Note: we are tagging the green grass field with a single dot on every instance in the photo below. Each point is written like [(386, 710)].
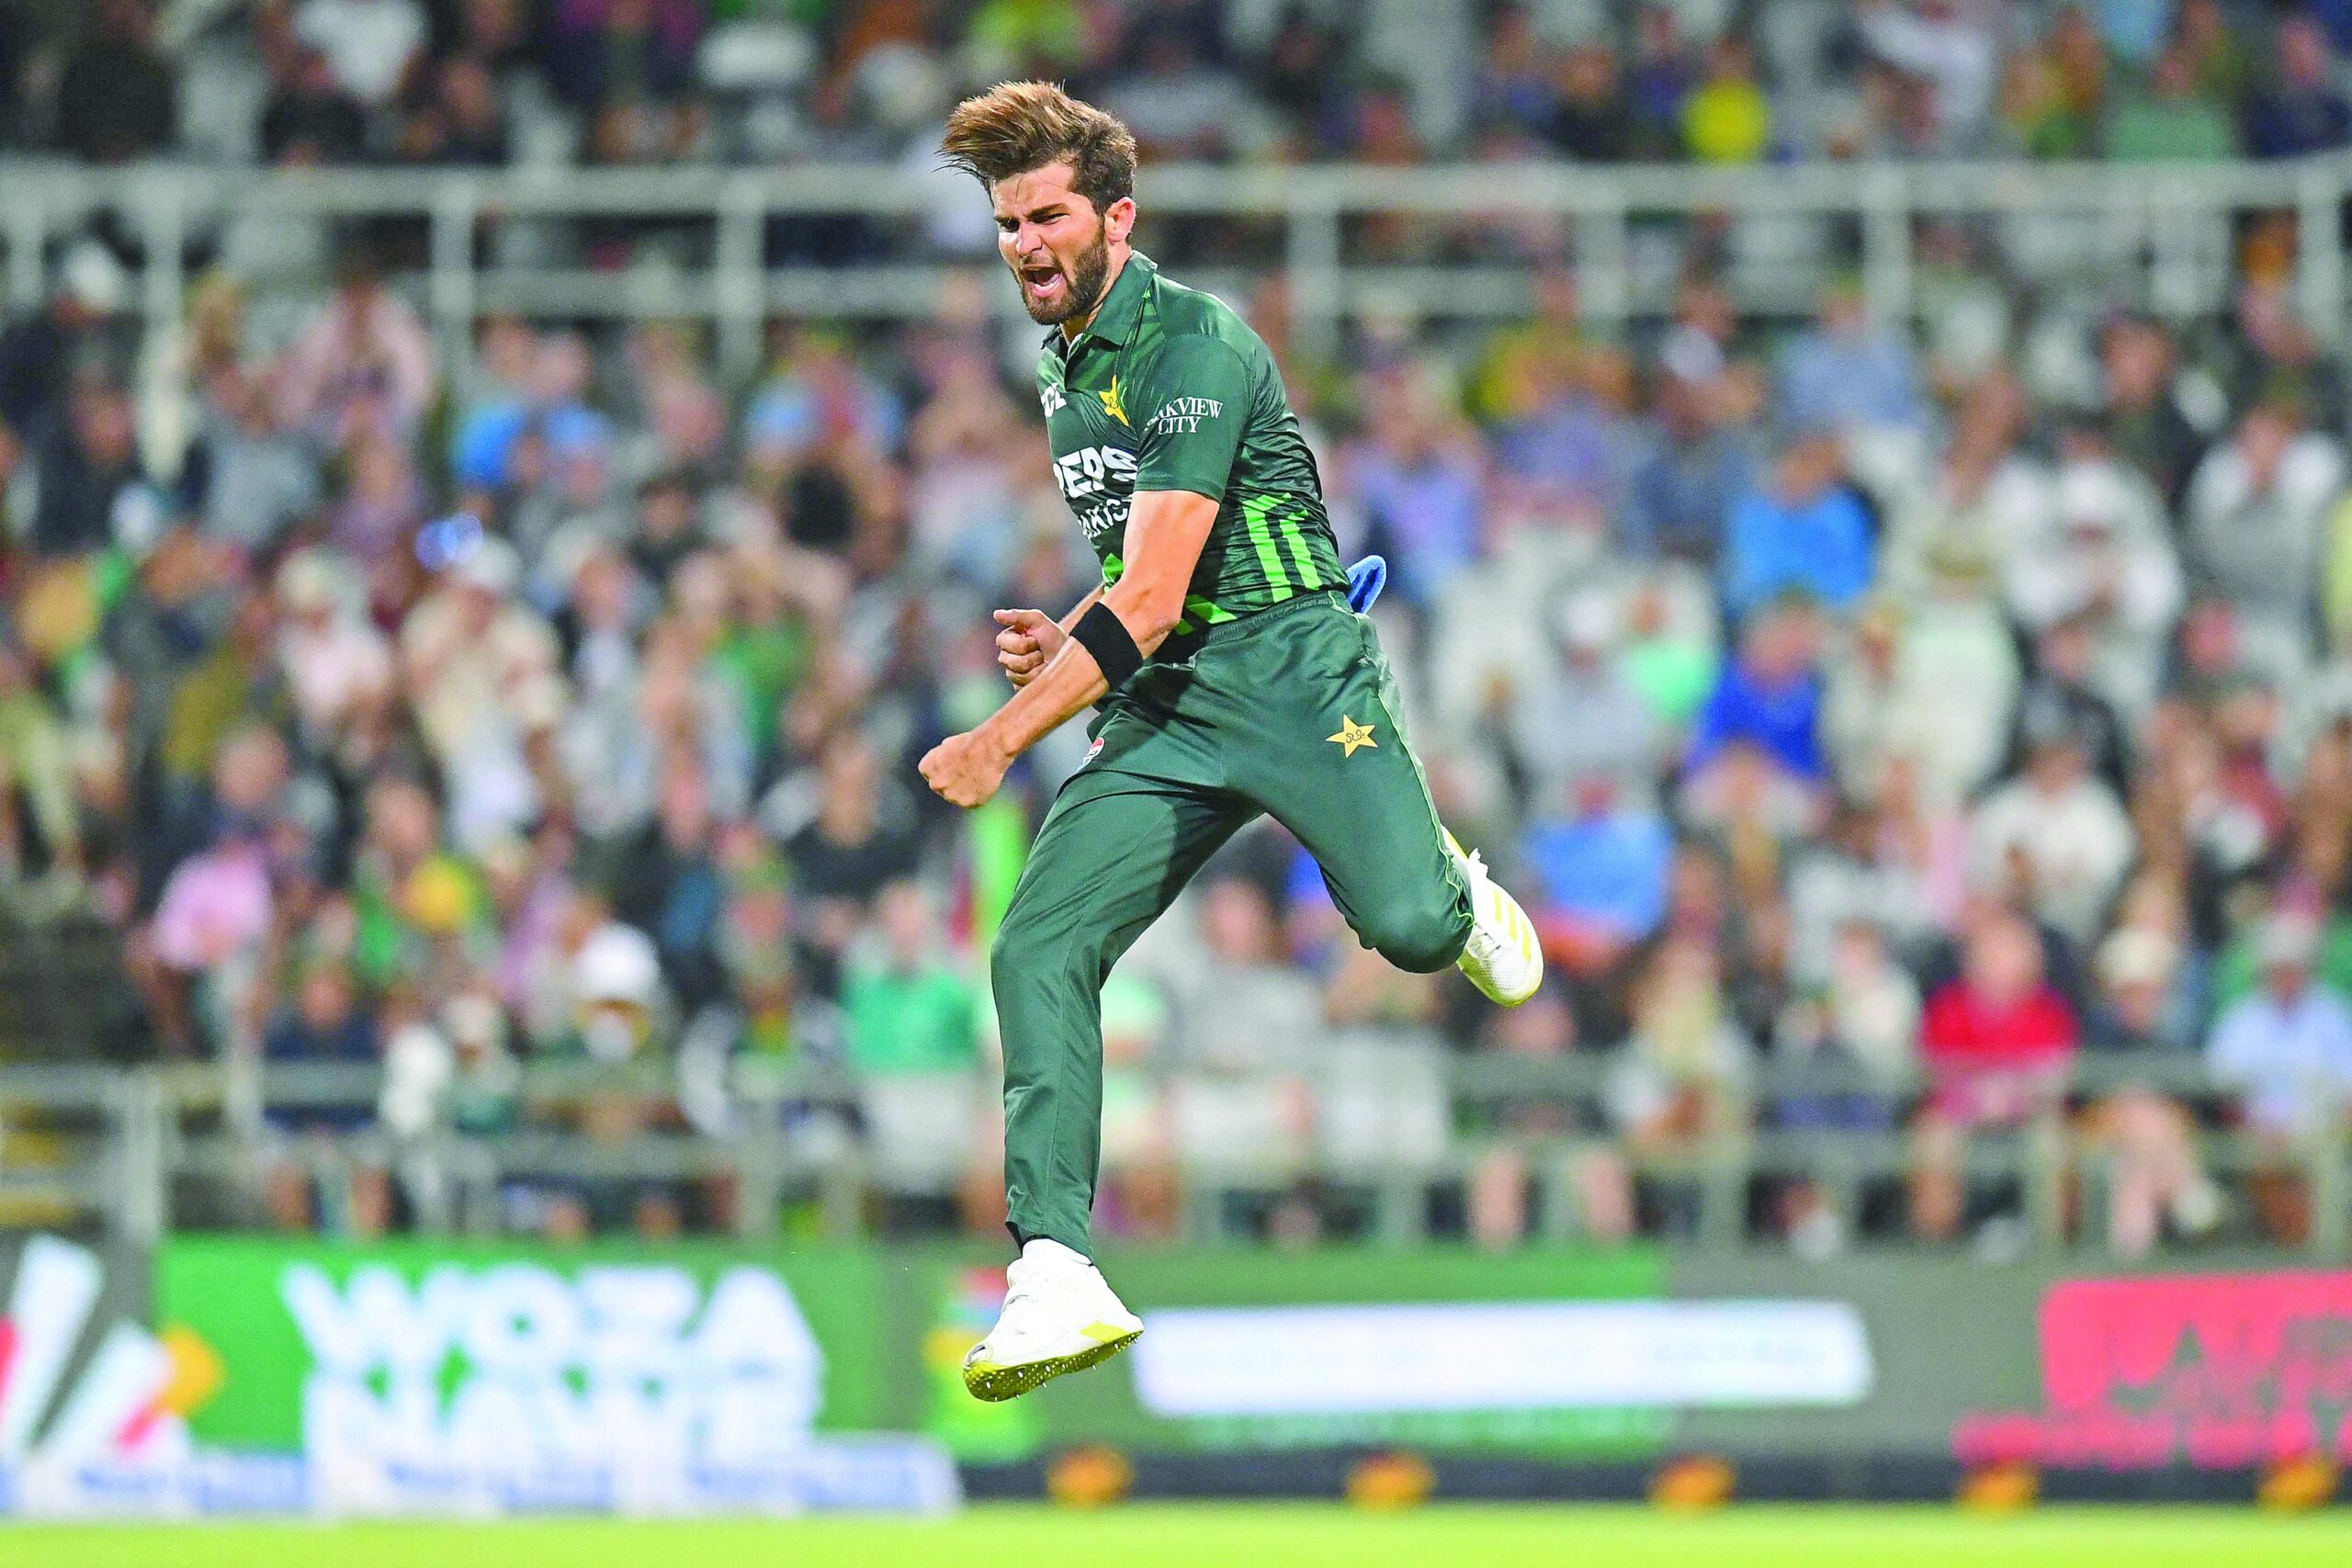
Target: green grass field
[(1176, 1535)]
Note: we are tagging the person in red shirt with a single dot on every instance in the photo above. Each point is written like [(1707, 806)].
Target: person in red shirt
[(1997, 1043)]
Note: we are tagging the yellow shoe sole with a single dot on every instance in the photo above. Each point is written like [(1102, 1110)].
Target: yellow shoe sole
[(994, 1384)]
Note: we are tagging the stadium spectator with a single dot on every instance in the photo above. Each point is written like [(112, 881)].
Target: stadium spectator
[(1933, 682), (41, 354), (1854, 1022), (1247, 1031), (1769, 695), (1996, 1043), (2254, 514), (2055, 838), (2285, 1052), (2155, 1175), (1801, 530), (2158, 415), (91, 486), (2298, 110), (1515, 86), (1950, 46), (1590, 123), (1581, 714), (1416, 477), (461, 123), (1679, 1085), (910, 1023), (2173, 120), (1699, 457), (328, 1022), (1659, 77), (116, 98), (370, 46), (1727, 118), (1600, 874), (1847, 375), (309, 120), (1179, 104), (363, 364)]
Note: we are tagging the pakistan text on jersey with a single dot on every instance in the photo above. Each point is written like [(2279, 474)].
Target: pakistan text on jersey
[(1104, 515)]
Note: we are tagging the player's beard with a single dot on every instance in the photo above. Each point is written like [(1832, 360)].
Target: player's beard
[(1084, 277)]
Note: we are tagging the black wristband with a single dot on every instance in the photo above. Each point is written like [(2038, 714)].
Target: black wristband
[(1106, 636)]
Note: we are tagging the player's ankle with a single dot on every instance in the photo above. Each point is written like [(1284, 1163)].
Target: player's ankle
[(1052, 1254)]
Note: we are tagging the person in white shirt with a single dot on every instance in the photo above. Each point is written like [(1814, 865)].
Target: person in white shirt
[(2059, 831), (368, 44), (2257, 514), (1951, 44), (2285, 1049)]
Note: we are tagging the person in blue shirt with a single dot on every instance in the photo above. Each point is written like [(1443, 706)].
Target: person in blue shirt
[(2299, 111), (1848, 371), (2285, 1051), (1601, 870), (1769, 695), (1801, 529), (1696, 464), (2286, 1048)]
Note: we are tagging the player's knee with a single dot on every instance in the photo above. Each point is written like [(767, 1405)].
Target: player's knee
[(1412, 933), (1030, 953)]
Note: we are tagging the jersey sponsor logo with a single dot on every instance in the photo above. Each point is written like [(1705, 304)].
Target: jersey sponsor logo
[(1093, 471), (1093, 752), (1351, 735), (1053, 398), (1183, 416)]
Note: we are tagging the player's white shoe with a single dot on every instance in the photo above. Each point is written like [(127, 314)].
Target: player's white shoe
[(1503, 958), (1059, 1316)]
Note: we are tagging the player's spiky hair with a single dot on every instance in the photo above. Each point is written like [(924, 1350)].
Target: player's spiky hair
[(1019, 126)]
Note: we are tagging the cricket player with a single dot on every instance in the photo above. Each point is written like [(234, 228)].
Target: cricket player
[(1232, 675)]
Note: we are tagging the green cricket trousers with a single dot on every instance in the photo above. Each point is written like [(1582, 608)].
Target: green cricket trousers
[(1290, 712)]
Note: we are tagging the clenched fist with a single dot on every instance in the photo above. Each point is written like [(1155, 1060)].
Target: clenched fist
[(1028, 640), (965, 770)]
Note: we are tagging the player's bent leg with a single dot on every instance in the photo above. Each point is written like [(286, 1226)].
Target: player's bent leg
[(1335, 767), (1113, 854), (1414, 927)]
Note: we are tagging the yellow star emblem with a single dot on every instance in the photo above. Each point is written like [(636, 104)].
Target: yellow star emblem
[(1111, 401), (1352, 735)]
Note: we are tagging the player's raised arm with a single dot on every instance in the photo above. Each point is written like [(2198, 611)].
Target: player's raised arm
[(1165, 533)]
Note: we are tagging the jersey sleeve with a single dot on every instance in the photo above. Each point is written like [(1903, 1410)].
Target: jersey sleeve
[(1196, 401)]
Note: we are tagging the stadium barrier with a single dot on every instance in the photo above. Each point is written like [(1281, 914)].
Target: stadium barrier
[(241, 1374), (740, 245), (138, 1149)]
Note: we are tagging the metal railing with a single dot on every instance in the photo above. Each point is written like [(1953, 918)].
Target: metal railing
[(2158, 236), (146, 1133)]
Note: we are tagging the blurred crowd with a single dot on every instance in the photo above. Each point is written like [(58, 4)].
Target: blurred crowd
[(1938, 709), (1827, 699), (618, 82)]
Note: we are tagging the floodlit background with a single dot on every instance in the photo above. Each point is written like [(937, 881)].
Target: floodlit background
[(498, 493)]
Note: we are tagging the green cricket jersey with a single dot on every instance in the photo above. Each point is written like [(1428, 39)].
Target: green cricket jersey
[(1168, 388)]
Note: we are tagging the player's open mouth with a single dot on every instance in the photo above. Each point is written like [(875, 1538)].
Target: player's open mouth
[(1041, 282)]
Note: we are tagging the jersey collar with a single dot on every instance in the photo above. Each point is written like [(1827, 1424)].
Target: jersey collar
[(1114, 323)]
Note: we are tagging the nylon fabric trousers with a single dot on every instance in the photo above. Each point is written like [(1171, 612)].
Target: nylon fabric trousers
[(1290, 712)]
